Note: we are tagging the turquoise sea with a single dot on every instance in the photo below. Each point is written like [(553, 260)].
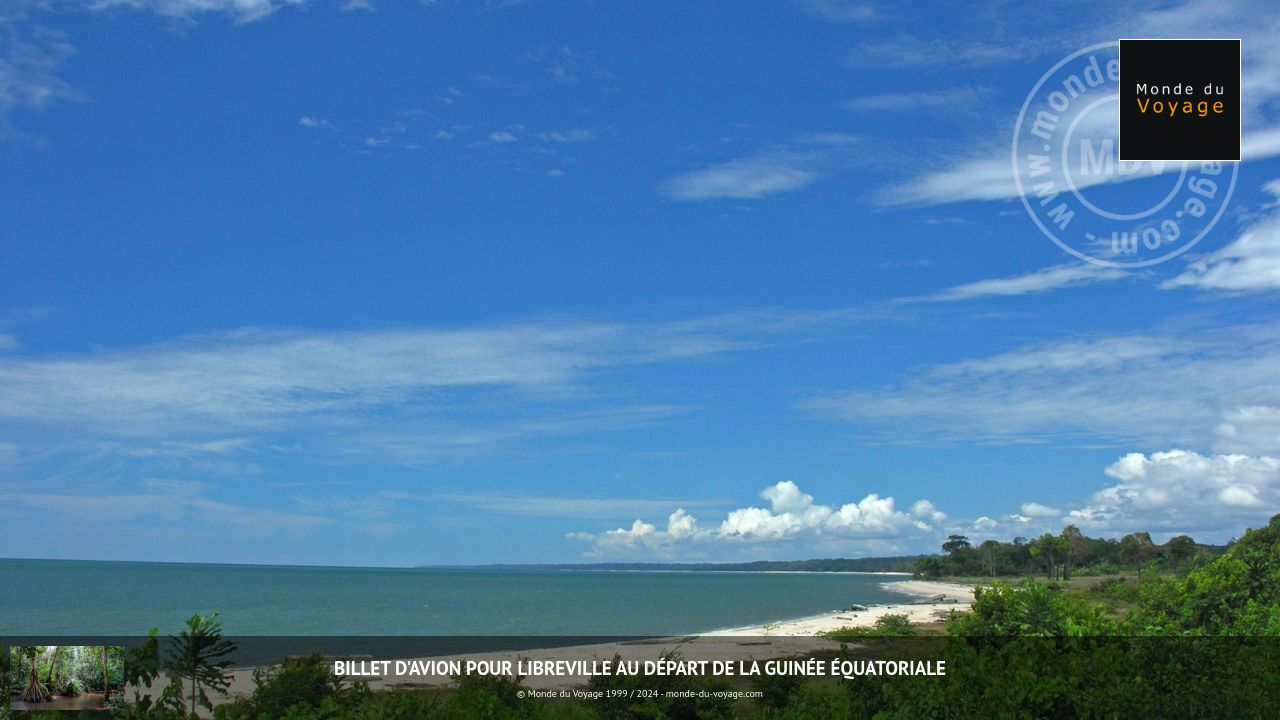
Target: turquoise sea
[(55, 597)]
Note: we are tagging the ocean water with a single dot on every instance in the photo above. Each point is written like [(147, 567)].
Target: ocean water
[(42, 597)]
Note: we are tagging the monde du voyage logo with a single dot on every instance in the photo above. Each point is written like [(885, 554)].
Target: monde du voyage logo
[(1128, 165)]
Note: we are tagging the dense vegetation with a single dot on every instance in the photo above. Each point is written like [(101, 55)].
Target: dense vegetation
[(1063, 555), (1203, 643)]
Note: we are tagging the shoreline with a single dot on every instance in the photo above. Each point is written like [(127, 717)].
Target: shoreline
[(948, 597)]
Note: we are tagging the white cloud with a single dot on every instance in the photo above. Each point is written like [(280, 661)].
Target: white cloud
[(791, 514), (744, 178), (576, 135), (239, 10), (171, 503), (566, 66), (560, 506), (1036, 510), (782, 168), (952, 52), (988, 175), (30, 59), (502, 136), (319, 123), (1249, 263), (1184, 491), (1050, 278), (1201, 386), (949, 99), (411, 393), (838, 11)]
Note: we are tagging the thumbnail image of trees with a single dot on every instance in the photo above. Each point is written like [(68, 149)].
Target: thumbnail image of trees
[(37, 674)]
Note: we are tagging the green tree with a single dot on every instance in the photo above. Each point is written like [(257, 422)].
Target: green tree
[(196, 655), (1180, 548), (988, 551), (1136, 548), (1048, 549), (1073, 547), (35, 691), (956, 544), (929, 567)]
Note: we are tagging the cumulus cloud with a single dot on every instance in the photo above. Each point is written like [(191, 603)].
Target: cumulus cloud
[(791, 514), (984, 524), (1036, 510), (1184, 491)]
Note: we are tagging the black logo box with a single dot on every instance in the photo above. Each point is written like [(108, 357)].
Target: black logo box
[(1181, 65)]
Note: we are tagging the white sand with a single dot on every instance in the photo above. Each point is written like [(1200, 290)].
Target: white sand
[(925, 588), (955, 597)]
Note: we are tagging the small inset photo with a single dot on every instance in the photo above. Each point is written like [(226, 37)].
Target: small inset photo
[(64, 677)]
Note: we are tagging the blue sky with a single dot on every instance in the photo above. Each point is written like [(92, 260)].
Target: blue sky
[(460, 282)]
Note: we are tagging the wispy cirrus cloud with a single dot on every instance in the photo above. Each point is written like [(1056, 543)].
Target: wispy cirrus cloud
[(1038, 281), (1215, 387), (778, 169), (562, 506), (238, 10), (31, 58), (441, 390), (742, 178), (169, 504), (839, 12), (955, 99), (988, 175), (916, 52)]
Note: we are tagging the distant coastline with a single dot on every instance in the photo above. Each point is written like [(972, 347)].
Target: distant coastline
[(898, 565)]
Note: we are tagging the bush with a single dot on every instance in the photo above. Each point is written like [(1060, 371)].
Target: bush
[(304, 681), (891, 625)]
